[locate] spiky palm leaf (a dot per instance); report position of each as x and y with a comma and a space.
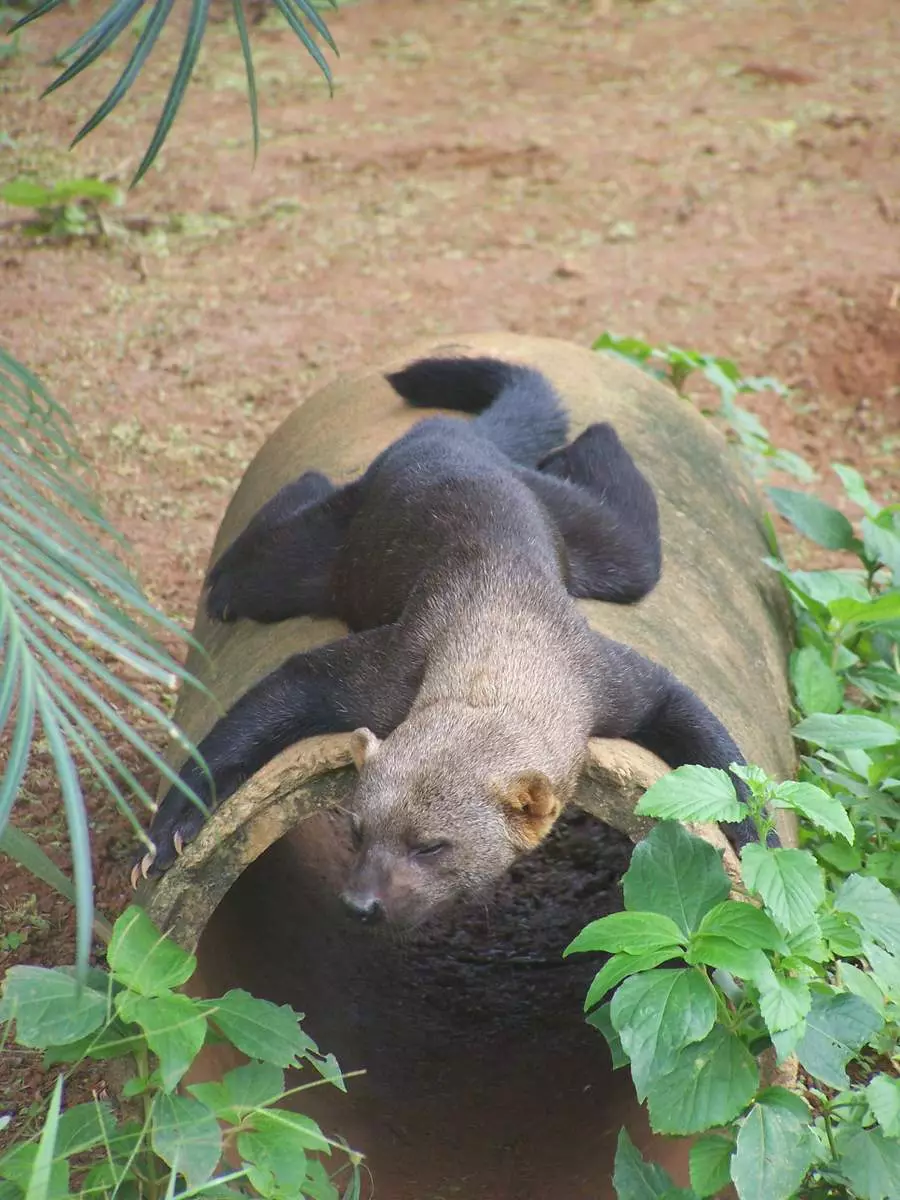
74, 624
301, 16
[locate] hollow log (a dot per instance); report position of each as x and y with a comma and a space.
482, 1078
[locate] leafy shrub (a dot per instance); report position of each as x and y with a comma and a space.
808, 965
171, 1144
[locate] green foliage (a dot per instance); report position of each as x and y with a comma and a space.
75, 632
675, 366
808, 961
171, 1144
64, 210
301, 17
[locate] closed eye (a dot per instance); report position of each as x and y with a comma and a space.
429, 849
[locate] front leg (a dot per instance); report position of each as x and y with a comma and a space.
367, 678
641, 701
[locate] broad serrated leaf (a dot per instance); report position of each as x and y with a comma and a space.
882, 545
619, 967
883, 1095
714, 951
837, 1027
175, 1029
656, 1014
789, 882
186, 1135
817, 687
774, 1151
635, 1179
855, 488
601, 1020
276, 1147
50, 1007
816, 805
814, 518
870, 1161
846, 731
260, 1029
628, 933
710, 1164
676, 874
692, 793
860, 983
254, 1085
744, 924
84, 1126
875, 907
711, 1083
143, 959
783, 1000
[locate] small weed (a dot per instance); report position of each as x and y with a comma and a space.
64, 210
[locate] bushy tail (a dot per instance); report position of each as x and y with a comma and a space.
517, 408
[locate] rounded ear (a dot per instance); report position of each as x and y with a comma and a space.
363, 745
531, 808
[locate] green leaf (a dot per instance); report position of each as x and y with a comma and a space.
808, 943
882, 545
816, 805
838, 856
25, 193
818, 688
744, 924
175, 1029
635, 1179
710, 1084
855, 488
846, 731
780, 1097
875, 907
254, 1085
710, 1163
836, 1028
676, 874
50, 1006
783, 1000
870, 1161
656, 1014
601, 1020
84, 1126
774, 1152
144, 959
813, 518
883, 1095
629, 933
259, 1028
790, 883
186, 1135
692, 793
619, 967
276, 1148
722, 952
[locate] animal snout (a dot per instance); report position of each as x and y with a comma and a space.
364, 907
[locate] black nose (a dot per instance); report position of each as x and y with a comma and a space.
365, 908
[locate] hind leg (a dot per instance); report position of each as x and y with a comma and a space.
606, 513
280, 566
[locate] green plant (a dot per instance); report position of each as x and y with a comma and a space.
63, 210
70, 612
301, 16
172, 1141
809, 964
675, 366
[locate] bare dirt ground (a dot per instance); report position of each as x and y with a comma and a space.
722, 176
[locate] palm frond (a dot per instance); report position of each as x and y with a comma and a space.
77, 636
301, 16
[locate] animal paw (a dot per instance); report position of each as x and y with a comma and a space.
220, 596
177, 822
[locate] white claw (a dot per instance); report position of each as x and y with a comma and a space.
135, 875
178, 842
147, 862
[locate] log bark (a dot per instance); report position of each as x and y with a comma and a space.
719, 620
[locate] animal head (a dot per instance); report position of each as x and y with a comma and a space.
442, 808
